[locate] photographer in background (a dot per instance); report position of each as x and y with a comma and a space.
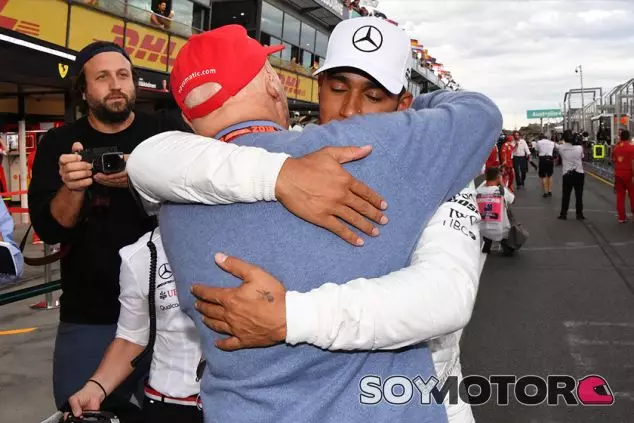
92, 214
571, 153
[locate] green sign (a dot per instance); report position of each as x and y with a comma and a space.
548, 113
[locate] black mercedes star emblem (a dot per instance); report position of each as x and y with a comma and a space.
367, 39
164, 271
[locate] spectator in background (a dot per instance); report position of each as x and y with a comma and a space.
623, 159
493, 201
506, 159
571, 155
545, 150
162, 16
521, 153
494, 158
11, 260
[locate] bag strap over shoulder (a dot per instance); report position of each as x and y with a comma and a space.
42, 261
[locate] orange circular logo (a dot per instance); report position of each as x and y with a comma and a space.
620, 158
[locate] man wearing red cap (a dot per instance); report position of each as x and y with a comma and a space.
243, 106
506, 157
623, 159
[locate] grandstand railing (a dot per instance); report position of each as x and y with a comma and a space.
143, 16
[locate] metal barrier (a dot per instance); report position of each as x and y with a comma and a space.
46, 288
33, 291
47, 303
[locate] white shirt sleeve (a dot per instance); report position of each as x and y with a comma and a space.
509, 197
432, 297
525, 148
134, 320
186, 168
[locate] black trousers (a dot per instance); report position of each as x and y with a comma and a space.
572, 180
520, 165
160, 412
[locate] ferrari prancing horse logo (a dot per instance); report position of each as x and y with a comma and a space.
63, 70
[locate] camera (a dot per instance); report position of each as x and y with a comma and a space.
104, 159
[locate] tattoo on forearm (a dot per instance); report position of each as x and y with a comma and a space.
266, 295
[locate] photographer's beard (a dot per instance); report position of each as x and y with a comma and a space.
115, 108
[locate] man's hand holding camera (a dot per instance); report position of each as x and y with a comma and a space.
77, 174
113, 180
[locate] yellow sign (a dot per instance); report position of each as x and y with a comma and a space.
63, 70
296, 87
598, 151
88, 25
176, 43
147, 47
315, 91
45, 20
304, 89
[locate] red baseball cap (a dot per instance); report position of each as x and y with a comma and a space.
227, 56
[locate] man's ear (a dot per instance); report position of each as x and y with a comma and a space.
273, 85
405, 101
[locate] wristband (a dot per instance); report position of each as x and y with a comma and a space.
105, 395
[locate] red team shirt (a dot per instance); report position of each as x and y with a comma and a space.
506, 154
622, 156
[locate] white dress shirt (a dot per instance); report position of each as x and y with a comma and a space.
432, 299
521, 149
571, 158
177, 349
545, 147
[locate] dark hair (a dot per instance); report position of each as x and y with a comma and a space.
568, 136
79, 88
625, 135
492, 173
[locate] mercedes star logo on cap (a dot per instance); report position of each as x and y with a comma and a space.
367, 39
164, 272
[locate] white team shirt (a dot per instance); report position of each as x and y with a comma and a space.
521, 149
545, 147
177, 349
571, 158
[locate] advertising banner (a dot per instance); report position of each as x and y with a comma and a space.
88, 25
297, 87
45, 20
315, 98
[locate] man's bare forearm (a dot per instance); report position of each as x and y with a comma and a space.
115, 366
66, 206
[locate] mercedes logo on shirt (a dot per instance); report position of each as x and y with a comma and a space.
164, 271
367, 39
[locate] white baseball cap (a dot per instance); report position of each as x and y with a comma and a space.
374, 46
